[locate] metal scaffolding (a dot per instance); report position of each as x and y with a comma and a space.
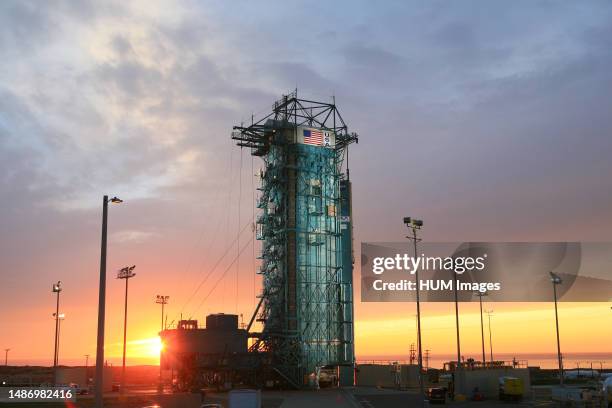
305, 225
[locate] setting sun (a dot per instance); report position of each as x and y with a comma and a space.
145, 348
150, 347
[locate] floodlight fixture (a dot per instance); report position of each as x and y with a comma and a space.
413, 223
163, 299
126, 272
555, 279
57, 287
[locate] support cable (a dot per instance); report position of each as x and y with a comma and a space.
238, 234
227, 222
213, 237
223, 275
254, 229
210, 272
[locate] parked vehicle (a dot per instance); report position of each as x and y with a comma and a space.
607, 391
328, 377
77, 389
447, 381
437, 395
510, 388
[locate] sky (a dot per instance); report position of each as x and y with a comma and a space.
488, 120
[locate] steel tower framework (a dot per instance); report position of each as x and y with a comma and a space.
306, 305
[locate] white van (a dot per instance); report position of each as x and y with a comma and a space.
607, 390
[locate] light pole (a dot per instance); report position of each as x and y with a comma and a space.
458, 370
162, 300
414, 225
6, 350
489, 313
86, 369
480, 295
556, 280
99, 389
125, 273
59, 318
57, 288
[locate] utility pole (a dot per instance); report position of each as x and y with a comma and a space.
458, 369
556, 280
99, 380
480, 295
86, 369
59, 317
413, 225
6, 350
427, 359
57, 288
489, 313
162, 300
125, 273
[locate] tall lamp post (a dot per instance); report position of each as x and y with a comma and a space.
556, 280
489, 313
414, 225
57, 288
86, 369
59, 317
99, 389
161, 300
125, 273
6, 350
480, 295
458, 369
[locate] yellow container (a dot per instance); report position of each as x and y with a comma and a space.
513, 386
460, 397
510, 388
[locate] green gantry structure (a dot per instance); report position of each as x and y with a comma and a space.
305, 225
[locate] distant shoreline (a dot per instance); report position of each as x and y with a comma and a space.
543, 360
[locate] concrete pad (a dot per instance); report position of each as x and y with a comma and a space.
321, 398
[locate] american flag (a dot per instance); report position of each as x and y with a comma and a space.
313, 137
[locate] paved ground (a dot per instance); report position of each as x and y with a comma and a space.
335, 398
382, 398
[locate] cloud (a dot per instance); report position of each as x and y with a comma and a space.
489, 121
134, 237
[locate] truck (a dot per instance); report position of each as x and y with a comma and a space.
510, 388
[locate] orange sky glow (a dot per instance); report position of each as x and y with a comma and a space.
489, 129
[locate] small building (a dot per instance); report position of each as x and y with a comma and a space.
198, 356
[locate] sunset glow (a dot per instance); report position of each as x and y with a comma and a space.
490, 124
146, 348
